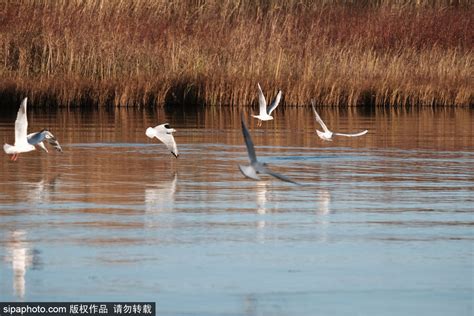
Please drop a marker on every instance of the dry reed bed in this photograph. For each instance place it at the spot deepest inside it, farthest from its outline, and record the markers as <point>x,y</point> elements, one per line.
<point>155,52</point>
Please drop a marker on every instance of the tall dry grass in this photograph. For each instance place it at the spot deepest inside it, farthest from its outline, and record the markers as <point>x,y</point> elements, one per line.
<point>155,52</point>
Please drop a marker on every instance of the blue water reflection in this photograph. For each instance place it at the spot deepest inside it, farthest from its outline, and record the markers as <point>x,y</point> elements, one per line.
<point>376,229</point>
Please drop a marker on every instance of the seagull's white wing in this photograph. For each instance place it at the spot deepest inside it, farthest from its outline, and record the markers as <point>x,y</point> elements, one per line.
<point>352,135</point>
<point>168,140</point>
<point>262,103</point>
<point>318,118</point>
<point>164,133</point>
<point>248,142</point>
<point>274,103</point>
<point>21,125</point>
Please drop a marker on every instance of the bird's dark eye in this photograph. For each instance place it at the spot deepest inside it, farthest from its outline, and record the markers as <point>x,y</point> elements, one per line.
<point>167,126</point>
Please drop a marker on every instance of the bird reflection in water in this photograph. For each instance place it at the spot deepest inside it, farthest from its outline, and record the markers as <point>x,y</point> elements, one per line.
<point>41,192</point>
<point>261,201</point>
<point>250,304</point>
<point>261,197</point>
<point>323,211</point>
<point>324,202</point>
<point>160,197</point>
<point>22,257</point>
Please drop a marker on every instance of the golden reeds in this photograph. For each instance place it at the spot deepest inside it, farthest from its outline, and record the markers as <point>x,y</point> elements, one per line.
<point>155,52</point>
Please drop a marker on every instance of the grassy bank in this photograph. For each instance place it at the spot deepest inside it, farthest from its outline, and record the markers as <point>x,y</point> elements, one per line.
<point>155,52</point>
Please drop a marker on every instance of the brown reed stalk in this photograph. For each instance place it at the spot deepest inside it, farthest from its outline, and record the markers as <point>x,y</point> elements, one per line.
<point>156,52</point>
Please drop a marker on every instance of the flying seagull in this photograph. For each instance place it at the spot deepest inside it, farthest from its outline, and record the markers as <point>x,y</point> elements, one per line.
<point>165,134</point>
<point>39,137</point>
<point>265,112</point>
<point>21,140</point>
<point>251,171</point>
<point>327,135</point>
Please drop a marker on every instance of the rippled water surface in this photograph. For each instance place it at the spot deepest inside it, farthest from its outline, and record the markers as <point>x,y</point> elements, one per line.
<point>383,224</point>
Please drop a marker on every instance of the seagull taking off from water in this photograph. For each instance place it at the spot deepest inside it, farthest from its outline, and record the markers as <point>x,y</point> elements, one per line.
<point>264,114</point>
<point>165,134</point>
<point>39,137</point>
<point>21,140</point>
<point>251,171</point>
<point>327,135</point>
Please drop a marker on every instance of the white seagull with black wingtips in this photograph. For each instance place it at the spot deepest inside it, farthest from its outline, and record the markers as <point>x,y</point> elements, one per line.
<point>327,134</point>
<point>251,171</point>
<point>39,138</point>
<point>264,112</point>
<point>165,134</point>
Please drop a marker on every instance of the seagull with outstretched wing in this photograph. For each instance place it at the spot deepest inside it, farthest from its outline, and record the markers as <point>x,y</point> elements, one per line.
<point>21,141</point>
<point>39,138</point>
<point>165,134</point>
<point>264,112</point>
<point>255,168</point>
<point>327,134</point>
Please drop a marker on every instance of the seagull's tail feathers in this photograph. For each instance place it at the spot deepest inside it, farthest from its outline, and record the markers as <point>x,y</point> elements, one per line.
<point>9,149</point>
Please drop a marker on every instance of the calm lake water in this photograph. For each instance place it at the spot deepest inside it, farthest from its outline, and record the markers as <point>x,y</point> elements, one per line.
<point>382,226</point>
